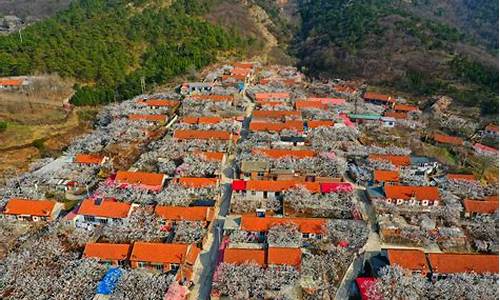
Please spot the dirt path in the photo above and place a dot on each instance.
(261, 19)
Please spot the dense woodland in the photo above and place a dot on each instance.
(424, 47)
(109, 46)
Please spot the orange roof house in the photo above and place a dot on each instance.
(243, 65)
(397, 160)
(413, 260)
(281, 153)
(195, 182)
(385, 176)
(445, 263)
(161, 255)
(89, 159)
(396, 115)
(447, 139)
(480, 206)
(201, 120)
(275, 114)
(210, 156)
(258, 224)
(11, 82)
(284, 256)
(405, 108)
(271, 96)
(177, 213)
(320, 123)
(304, 104)
(372, 96)
(404, 192)
(105, 252)
(158, 102)
(148, 181)
(258, 125)
(32, 209)
(241, 256)
(464, 177)
(202, 135)
(105, 208)
(280, 185)
(148, 118)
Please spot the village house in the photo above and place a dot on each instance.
(327, 101)
(378, 99)
(319, 123)
(12, 83)
(396, 115)
(485, 150)
(404, 108)
(259, 125)
(280, 97)
(196, 88)
(412, 195)
(447, 139)
(276, 114)
(147, 181)
(311, 228)
(177, 213)
(462, 177)
(491, 129)
(268, 189)
(412, 260)
(478, 207)
(164, 257)
(32, 210)
(197, 182)
(151, 119)
(214, 98)
(159, 103)
(89, 159)
(212, 135)
(107, 253)
(382, 176)
(239, 256)
(101, 211)
(443, 264)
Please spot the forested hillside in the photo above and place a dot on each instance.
(423, 47)
(110, 45)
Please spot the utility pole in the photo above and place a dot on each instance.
(143, 84)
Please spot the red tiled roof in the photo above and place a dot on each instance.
(202, 135)
(459, 263)
(405, 107)
(413, 260)
(215, 98)
(480, 206)
(236, 77)
(150, 118)
(447, 139)
(385, 176)
(275, 114)
(281, 153)
(39, 208)
(93, 159)
(465, 177)
(397, 160)
(195, 182)
(152, 179)
(159, 252)
(491, 198)
(105, 251)
(407, 192)
(481, 147)
(378, 97)
(267, 96)
(277, 126)
(240, 71)
(11, 82)
(243, 65)
(158, 102)
(280, 185)
(396, 115)
(258, 224)
(319, 123)
(178, 213)
(240, 256)
(332, 101)
(108, 208)
(270, 103)
(284, 256)
(303, 104)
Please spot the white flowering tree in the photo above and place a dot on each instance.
(188, 232)
(139, 284)
(284, 235)
(142, 225)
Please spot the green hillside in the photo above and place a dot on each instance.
(109, 45)
(422, 47)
